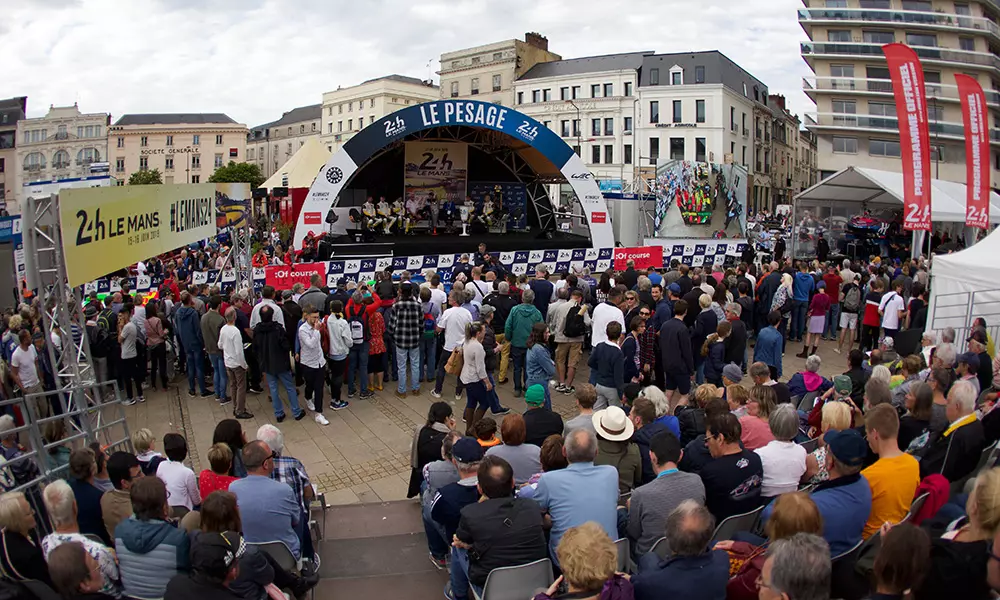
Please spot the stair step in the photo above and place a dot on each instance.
(415, 586)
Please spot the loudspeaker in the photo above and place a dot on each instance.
(279, 192)
(260, 193)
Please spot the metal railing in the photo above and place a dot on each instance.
(913, 18)
(957, 311)
(889, 123)
(938, 91)
(927, 53)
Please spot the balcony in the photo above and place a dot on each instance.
(34, 168)
(810, 50)
(58, 166)
(887, 125)
(910, 18)
(746, 132)
(883, 87)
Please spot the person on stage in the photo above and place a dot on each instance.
(467, 212)
(434, 208)
(385, 214)
(486, 216)
(371, 219)
(449, 209)
(398, 214)
(414, 206)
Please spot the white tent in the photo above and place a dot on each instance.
(965, 285)
(301, 169)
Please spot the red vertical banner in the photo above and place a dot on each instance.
(977, 151)
(914, 135)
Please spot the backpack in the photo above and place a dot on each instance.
(575, 325)
(430, 325)
(324, 337)
(359, 327)
(852, 299)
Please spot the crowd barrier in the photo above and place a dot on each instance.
(693, 253)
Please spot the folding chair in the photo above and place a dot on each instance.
(661, 548)
(93, 537)
(988, 455)
(846, 555)
(730, 525)
(282, 555)
(845, 582)
(318, 504)
(915, 506)
(624, 555)
(517, 583)
(808, 401)
(810, 445)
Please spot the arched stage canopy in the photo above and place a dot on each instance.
(534, 146)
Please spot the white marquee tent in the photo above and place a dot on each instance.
(965, 285)
(301, 169)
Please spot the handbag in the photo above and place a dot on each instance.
(455, 362)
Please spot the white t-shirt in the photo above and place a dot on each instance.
(784, 464)
(439, 297)
(481, 289)
(140, 268)
(182, 485)
(453, 321)
(890, 306)
(24, 361)
(605, 313)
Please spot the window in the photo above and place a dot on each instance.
(302, 129)
(876, 4)
(609, 126)
(371, 103)
(340, 109)
(496, 83)
(475, 60)
(962, 9)
(595, 154)
(654, 77)
(548, 124)
(520, 97)
(699, 74)
(609, 90)
(654, 149)
(475, 86)
(924, 5)
(967, 43)
(838, 35)
(575, 92)
(340, 126)
(196, 140)
(350, 107)
(564, 127)
(845, 107)
(744, 157)
(350, 124)
(371, 120)
(576, 127)
(595, 127)
(314, 126)
(498, 56)
(935, 112)
(677, 111)
(195, 161)
(921, 39)
(119, 165)
(882, 109)
(169, 163)
(699, 149)
(628, 88)
(627, 124)
(845, 145)
(218, 160)
(609, 154)
(880, 73)
(170, 140)
(143, 163)
(289, 133)
(676, 148)
(676, 77)
(883, 148)
(595, 90)
(196, 179)
(836, 3)
(361, 105)
(546, 95)
(535, 95)
(121, 142)
(627, 158)
(654, 112)
(732, 118)
(699, 111)
(60, 160)
(564, 93)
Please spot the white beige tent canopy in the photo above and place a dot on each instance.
(301, 169)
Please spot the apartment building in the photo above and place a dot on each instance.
(806, 166)
(185, 148)
(488, 73)
(270, 145)
(12, 110)
(784, 136)
(855, 119)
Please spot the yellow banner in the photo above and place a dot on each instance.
(106, 229)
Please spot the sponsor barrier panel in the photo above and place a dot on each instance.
(648, 257)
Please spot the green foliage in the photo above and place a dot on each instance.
(145, 178)
(236, 172)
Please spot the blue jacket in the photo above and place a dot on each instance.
(702, 577)
(715, 361)
(705, 325)
(608, 362)
(844, 503)
(150, 553)
(539, 365)
(664, 311)
(803, 284)
(189, 328)
(768, 348)
(641, 438)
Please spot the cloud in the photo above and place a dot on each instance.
(254, 59)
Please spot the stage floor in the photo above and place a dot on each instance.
(415, 245)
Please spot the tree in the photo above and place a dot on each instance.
(145, 177)
(236, 172)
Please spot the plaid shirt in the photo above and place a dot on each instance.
(406, 324)
(647, 341)
(290, 470)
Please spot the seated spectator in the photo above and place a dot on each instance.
(101, 479)
(57, 456)
(652, 503)
(551, 458)
(447, 505)
(696, 454)
(290, 471)
(220, 458)
(693, 569)
(76, 573)
(485, 430)
(82, 469)
(615, 448)
(436, 475)
(762, 374)
(182, 485)
(902, 561)
(783, 460)
(895, 475)
(427, 440)
(955, 452)
(736, 397)
(836, 417)
(589, 561)
(915, 425)
(756, 430)
(967, 368)
(500, 531)
(643, 417)
(230, 432)
(539, 422)
(523, 458)
(269, 509)
(691, 418)
(150, 549)
(116, 505)
(733, 478)
(797, 568)
(910, 374)
(661, 404)
(581, 492)
(845, 499)
(144, 442)
(62, 508)
(586, 396)
(809, 380)
(793, 513)
(20, 559)
(214, 568)
(840, 392)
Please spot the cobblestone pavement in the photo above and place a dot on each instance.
(363, 455)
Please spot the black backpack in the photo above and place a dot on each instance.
(575, 325)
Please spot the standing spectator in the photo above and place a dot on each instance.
(832, 282)
(570, 321)
(314, 296)
(539, 366)
(130, 371)
(796, 568)
(705, 323)
(406, 326)
(211, 325)
(713, 352)
(676, 355)
(604, 313)
(979, 344)
(607, 367)
(90, 518)
(234, 359)
(892, 308)
(430, 312)
(339, 334)
(156, 339)
(27, 374)
(871, 320)
(359, 313)
(736, 341)
(182, 485)
(503, 303)
(453, 323)
(313, 361)
(377, 349)
(802, 287)
(268, 508)
(189, 331)
(543, 289)
(271, 348)
(733, 478)
(518, 331)
(850, 303)
(474, 376)
(818, 309)
(769, 346)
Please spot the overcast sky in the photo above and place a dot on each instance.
(254, 59)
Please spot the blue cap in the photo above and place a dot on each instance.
(674, 288)
(847, 446)
(467, 450)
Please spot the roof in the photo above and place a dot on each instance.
(586, 64)
(174, 119)
(302, 168)
(296, 115)
(400, 79)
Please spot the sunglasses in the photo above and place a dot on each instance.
(643, 313)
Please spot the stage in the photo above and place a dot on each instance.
(421, 244)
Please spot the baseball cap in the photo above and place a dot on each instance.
(286, 294)
(674, 288)
(732, 372)
(968, 358)
(215, 553)
(467, 450)
(978, 335)
(486, 309)
(534, 395)
(842, 384)
(342, 282)
(847, 446)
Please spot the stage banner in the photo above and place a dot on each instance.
(283, 277)
(648, 257)
(914, 136)
(435, 171)
(106, 229)
(232, 205)
(977, 151)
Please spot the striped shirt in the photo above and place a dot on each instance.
(652, 503)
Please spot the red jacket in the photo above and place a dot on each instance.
(369, 309)
(170, 284)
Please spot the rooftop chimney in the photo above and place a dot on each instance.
(537, 40)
